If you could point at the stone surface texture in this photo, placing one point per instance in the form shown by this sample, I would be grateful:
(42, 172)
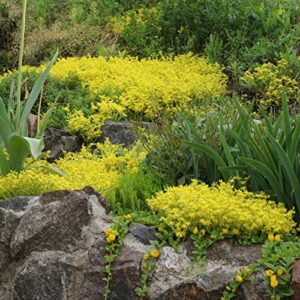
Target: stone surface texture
(52, 247)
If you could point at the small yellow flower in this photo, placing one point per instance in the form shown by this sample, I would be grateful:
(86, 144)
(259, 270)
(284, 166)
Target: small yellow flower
(269, 272)
(239, 278)
(109, 231)
(273, 281)
(195, 230)
(235, 231)
(110, 238)
(247, 270)
(224, 231)
(160, 229)
(203, 232)
(271, 237)
(154, 253)
(146, 256)
(277, 237)
(128, 217)
(280, 271)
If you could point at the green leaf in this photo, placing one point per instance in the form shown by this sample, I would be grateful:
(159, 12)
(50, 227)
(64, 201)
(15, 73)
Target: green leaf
(266, 172)
(36, 146)
(4, 166)
(52, 170)
(211, 153)
(18, 150)
(35, 92)
(5, 130)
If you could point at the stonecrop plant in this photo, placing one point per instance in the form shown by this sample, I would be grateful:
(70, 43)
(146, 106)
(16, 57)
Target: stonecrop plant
(269, 80)
(221, 206)
(101, 169)
(126, 87)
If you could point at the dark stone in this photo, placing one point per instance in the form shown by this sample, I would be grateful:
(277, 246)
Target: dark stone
(123, 132)
(57, 141)
(54, 224)
(40, 279)
(16, 204)
(235, 254)
(143, 233)
(118, 133)
(91, 191)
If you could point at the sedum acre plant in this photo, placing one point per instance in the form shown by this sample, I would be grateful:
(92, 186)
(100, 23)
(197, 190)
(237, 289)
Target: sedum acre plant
(131, 88)
(220, 206)
(101, 169)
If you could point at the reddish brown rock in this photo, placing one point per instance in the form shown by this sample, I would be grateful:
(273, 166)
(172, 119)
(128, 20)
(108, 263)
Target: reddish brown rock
(295, 284)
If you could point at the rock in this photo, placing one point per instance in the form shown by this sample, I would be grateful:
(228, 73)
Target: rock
(123, 132)
(58, 222)
(235, 254)
(57, 141)
(295, 284)
(17, 204)
(32, 125)
(53, 247)
(143, 233)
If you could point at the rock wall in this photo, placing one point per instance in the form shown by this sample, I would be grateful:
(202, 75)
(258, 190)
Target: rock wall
(52, 248)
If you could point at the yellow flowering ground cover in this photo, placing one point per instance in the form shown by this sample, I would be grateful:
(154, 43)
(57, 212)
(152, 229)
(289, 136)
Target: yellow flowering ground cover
(101, 171)
(269, 80)
(136, 89)
(220, 206)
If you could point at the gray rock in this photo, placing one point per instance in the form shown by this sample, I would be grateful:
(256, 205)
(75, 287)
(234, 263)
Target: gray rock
(57, 141)
(143, 233)
(123, 132)
(54, 248)
(17, 204)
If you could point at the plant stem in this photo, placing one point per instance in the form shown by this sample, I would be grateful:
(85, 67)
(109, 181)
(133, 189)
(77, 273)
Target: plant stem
(19, 80)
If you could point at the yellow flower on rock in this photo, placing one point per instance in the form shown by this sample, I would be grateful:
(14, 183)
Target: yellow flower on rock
(224, 231)
(280, 271)
(269, 272)
(154, 253)
(235, 231)
(273, 281)
(220, 205)
(145, 256)
(195, 230)
(239, 278)
(111, 238)
(271, 237)
(277, 238)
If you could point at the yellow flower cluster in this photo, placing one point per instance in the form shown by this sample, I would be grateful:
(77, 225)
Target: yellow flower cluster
(111, 235)
(269, 80)
(142, 87)
(82, 169)
(220, 206)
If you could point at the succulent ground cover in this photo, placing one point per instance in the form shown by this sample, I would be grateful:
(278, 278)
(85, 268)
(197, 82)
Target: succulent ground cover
(224, 160)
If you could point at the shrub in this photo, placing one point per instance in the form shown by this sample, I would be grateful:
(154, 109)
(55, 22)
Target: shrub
(220, 206)
(268, 81)
(100, 170)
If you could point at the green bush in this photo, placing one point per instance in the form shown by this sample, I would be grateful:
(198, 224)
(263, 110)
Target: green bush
(134, 189)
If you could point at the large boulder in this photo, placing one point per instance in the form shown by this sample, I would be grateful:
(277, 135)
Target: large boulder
(53, 247)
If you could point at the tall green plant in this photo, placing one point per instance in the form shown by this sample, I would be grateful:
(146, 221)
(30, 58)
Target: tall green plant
(268, 151)
(15, 145)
